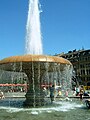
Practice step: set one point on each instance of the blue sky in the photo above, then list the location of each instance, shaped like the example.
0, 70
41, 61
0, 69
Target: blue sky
65, 26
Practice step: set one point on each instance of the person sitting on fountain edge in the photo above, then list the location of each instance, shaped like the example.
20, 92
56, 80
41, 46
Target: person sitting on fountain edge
81, 92
52, 91
1, 95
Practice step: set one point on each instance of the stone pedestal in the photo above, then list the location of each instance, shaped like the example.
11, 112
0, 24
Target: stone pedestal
34, 98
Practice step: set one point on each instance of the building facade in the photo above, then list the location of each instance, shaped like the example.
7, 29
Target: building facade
81, 64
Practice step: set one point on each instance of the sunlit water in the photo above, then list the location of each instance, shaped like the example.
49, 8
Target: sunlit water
11, 109
33, 29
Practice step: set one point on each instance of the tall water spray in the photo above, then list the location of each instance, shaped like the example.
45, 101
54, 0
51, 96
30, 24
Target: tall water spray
33, 29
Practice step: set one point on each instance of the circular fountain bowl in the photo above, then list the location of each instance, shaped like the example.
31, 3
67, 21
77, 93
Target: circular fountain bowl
25, 62
34, 58
39, 69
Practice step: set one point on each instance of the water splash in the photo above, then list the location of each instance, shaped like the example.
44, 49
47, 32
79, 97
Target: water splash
58, 106
33, 30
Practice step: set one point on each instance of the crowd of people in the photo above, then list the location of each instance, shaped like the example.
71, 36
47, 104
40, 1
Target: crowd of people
79, 91
53, 92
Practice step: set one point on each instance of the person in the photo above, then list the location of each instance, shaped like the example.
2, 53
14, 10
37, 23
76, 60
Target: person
1, 95
45, 91
52, 91
85, 93
81, 92
77, 91
66, 93
74, 91
59, 93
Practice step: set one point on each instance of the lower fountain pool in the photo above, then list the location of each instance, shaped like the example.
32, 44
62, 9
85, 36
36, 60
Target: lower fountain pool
73, 109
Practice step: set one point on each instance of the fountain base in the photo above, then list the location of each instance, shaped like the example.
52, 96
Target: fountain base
34, 98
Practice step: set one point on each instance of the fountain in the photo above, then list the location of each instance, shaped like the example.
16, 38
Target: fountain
39, 69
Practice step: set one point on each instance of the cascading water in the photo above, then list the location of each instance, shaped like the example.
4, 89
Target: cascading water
33, 30
40, 70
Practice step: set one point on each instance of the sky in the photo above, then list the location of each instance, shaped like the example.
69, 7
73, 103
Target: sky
65, 26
